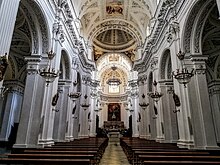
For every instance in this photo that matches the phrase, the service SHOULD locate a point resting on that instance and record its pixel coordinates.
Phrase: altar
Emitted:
(113, 126)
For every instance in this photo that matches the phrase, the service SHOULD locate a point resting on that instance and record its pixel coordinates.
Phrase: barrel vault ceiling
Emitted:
(114, 25)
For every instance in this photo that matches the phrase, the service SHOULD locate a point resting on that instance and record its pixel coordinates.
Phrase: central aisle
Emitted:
(114, 154)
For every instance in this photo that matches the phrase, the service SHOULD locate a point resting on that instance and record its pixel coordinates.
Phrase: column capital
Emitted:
(86, 79)
(198, 58)
(214, 87)
(33, 63)
(14, 86)
(199, 63)
(33, 58)
(133, 83)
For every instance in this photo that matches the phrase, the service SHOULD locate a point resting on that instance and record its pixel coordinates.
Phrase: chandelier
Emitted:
(49, 73)
(143, 105)
(182, 75)
(74, 95)
(155, 95)
(113, 81)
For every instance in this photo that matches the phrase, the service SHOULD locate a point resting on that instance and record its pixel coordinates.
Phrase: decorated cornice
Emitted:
(113, 98)
(172, 31)
(163, 15)
(77, 41)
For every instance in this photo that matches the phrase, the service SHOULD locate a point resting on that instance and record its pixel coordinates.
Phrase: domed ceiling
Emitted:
(114, 25)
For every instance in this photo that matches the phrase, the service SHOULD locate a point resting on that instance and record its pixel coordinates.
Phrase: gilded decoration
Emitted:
(114, 7)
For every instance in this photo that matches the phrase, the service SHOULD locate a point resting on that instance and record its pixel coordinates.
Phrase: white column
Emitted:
(202, 121)
(169, 113)
(152, 127)
(83, 114)
(218, 5)
(184, 116)
(134, 108)
(47, 115)
(8, 13)
(143, 111)
(62, 110)
(12, 108)
(28, 130)
(74, 122)
(158, 105)
(94, 108)
(214, 92)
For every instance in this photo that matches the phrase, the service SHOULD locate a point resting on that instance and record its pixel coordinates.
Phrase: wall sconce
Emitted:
(143, 105)
(182, 75)
(75, 83)
(176, 102)
(56, 110)
(3, 65)
(155, 95)
(176, 110)
(175, 99)
(49, 73)
(74, 95)
(97, 110)
(131, 110)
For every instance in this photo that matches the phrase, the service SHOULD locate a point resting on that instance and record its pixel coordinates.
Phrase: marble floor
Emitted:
(114, 154)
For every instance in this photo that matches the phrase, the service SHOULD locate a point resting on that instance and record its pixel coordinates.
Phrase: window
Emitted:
(113, 89)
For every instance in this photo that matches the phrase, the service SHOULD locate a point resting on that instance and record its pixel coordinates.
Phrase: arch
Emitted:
(192, 34)
(38, 25)
(65, 66)
(165, 65)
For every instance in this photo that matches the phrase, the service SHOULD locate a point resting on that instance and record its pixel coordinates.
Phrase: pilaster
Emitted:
(31, 108)
(84, 111)
(134, 107)
(61, 109)
(202, 121)
(169, 112)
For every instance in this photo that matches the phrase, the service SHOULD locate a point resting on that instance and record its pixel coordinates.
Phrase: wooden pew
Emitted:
(141, 151)
(139, 156)
(26, 161)
(144, 159)
(85, 151)
(179, 162)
